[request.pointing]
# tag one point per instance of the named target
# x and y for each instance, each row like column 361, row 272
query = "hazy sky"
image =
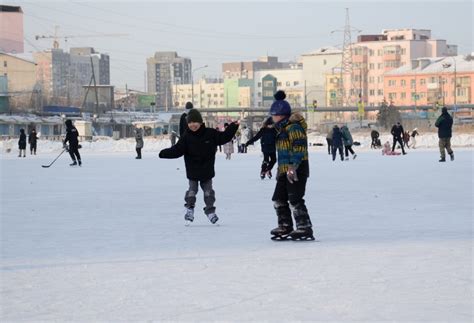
column 215, row 32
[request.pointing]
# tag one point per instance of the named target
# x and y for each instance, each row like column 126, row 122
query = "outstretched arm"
column 175, row 151
column 227, row 135
column 256, row 137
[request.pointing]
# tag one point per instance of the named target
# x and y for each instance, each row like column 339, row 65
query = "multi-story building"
column 375, row 55
column 430, row 81
column 246, row 70
column 164, row 71
column 208, row 93
column 11, row 29
column 100, row 61
column 267, row 82
column 316, row 65
column 21, row 78
column 61, row 75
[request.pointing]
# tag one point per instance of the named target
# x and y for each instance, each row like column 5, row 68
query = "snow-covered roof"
column 430, row 65
column 29, row 119
column 328, row 50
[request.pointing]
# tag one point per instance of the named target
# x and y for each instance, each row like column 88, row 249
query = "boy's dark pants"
column 289, row 197
column 209, row 195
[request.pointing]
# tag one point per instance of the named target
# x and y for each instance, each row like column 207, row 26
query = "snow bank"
column 108, row 145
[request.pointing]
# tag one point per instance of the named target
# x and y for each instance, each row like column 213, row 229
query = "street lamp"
column 192, row 83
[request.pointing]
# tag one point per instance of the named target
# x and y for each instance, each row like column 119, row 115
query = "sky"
column 211, row 33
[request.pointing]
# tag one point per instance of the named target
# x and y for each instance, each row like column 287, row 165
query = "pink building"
column 430, row 81
column 375, row 55
column 11, row 29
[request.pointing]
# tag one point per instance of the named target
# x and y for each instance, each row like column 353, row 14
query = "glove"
column 291, row 175
column 246, row 144
column 65, row 147
column 160, row 155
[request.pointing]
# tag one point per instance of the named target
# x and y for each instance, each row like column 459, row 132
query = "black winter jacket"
column 445, row 125
column 72, row 137
column 397, row 131
column 267, row 138
column 199, row 150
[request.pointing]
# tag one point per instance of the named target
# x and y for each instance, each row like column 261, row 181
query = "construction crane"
column 56, row 36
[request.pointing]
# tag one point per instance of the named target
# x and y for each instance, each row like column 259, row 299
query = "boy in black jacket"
column 198, row 145
column 267, row 136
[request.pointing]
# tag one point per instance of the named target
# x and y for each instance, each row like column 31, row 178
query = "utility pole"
column 346, row 62
column 95, row 88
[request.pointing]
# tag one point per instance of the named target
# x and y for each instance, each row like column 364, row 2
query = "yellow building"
column 21, row 77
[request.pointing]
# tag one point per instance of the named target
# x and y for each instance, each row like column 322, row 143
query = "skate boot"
column 442, row 160
column 355, row 156
column 452, row 156
column 302, row 234
column 281, row 232
column 80, row 162
column 73, row 164
column 269, row 174
column 262, row 175
column 188, row 216
column 213, row 218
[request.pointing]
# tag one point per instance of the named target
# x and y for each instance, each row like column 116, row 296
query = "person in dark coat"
column 22, row 143
column 267, row 136
column 397, row 133
column 337, row 143
column 183, row 123
column 374, row 134
column 444, row 123
column 198, row 145
column 139, row 142
column 32, row 140
column 72, row 136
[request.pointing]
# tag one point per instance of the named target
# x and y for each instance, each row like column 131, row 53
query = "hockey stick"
column 47, row 166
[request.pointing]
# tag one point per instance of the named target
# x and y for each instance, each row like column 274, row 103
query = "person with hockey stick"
column 198, row 145
column 293, row 172
column 72, row 136
column 266, row 135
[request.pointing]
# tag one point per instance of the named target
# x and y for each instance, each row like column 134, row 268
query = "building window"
column 296, row 83
column 279, row 84
column 403, row 82
column 4, row 63
column 324, row 62
column 392, row 83
column 422, row 81
column 403, row 95
column 412, row 83
column 371, row 66
column 288, row 83
column 371, row 92
column 259, row 84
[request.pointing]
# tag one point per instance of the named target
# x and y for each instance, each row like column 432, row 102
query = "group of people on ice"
column 283, row 134
column 340, row 140
column 32, row 140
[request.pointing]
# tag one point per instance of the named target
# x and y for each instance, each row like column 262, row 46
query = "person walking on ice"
column 32, row 140
column 22, row 143
column 293, row 172
column 444, row 123
column 397, row 133
column 198, row 145
column 348, row 142
column 414, row 133
column 139, row 142
column 229, row 146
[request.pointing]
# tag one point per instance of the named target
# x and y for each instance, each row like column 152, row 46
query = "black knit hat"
column 194, row 116
column 189, row 106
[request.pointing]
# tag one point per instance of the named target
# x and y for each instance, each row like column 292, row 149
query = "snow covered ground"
column 107, row 242
column 107, row 144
